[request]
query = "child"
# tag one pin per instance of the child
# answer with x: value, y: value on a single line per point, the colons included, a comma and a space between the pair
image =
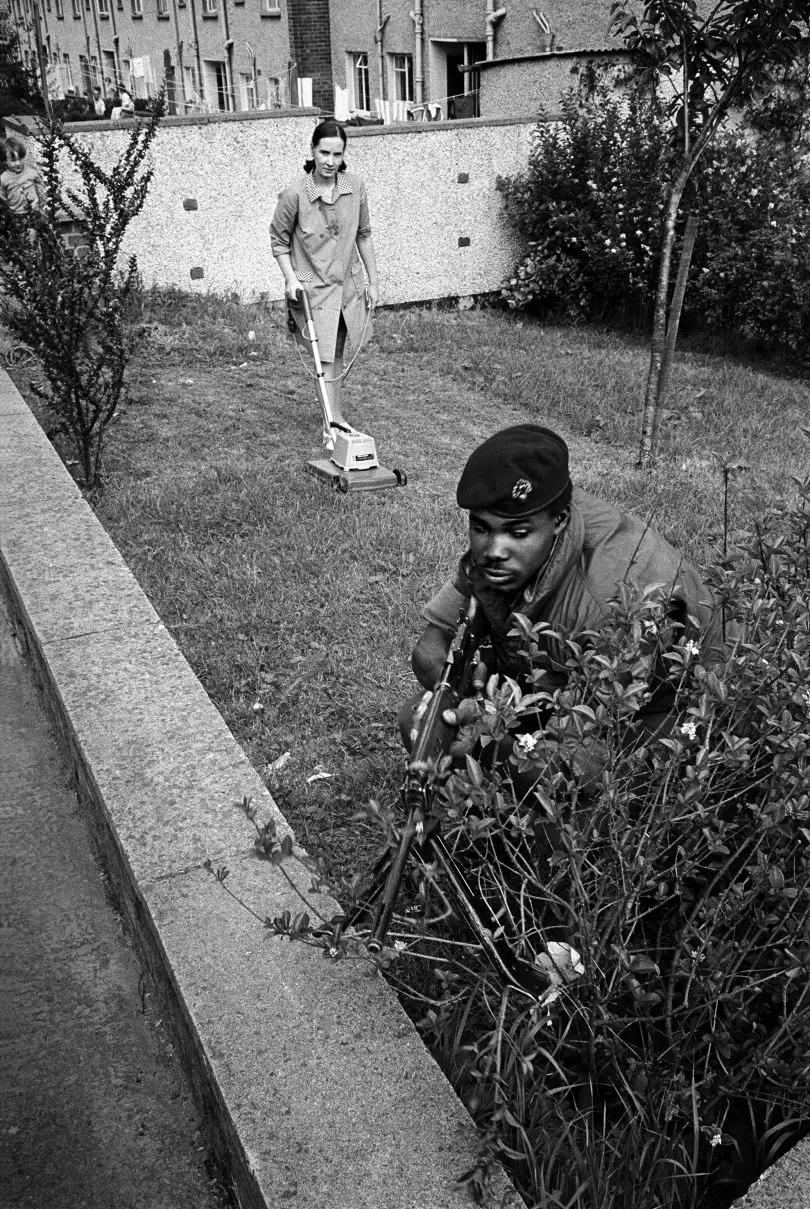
x: 20, y: 184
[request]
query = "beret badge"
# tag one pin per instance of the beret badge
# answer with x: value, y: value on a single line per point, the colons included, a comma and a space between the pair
x: 522, y: 489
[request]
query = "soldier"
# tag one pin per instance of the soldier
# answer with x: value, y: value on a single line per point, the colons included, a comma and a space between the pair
x: 540, y: 547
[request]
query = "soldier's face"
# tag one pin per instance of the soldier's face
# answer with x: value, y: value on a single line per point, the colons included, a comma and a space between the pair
x: 510, y: 550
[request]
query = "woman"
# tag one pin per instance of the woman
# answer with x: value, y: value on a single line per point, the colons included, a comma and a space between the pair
x: 319, y: 235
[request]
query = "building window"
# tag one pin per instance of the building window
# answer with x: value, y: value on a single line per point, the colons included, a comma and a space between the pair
x: 77, y: 10
x: 274, y: 94
x: 247, y: 89
x: 359, y: 86
x: 163, y: 8
x: 104, y: 9
x: 210, y: 8
x: 68, y: 71
x: 402, y: 76
x: 137, y: 8
x: 270, y: 8
x: 60, y: 10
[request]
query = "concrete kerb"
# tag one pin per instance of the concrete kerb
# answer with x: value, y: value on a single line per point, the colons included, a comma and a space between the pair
x: 314, y: 1085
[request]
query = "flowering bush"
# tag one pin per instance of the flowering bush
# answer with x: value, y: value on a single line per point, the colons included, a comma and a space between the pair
x: 661, y: 879
x: 752, y: 259
x: 591, y: 204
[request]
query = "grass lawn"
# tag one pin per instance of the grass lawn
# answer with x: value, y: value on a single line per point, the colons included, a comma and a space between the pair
x: 296, y: 607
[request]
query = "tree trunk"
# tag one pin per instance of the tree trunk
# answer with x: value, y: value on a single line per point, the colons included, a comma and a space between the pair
x: 649, y: 414
x: 650, y: 409
x: 675, y: 309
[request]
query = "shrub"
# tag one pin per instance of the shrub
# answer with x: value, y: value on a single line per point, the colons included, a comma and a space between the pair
x: 69, y: 306
x: 752, y: 259
x: 591, y: 204
x: 669, y: 905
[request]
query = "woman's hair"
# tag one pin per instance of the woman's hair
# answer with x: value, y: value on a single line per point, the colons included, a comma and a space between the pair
x: 327, y: 129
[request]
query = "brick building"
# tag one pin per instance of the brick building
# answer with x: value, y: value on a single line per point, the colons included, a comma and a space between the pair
x: 399, y: 58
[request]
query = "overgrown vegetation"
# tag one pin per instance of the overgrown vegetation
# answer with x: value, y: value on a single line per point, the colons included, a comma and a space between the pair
x: 298, y: 609
x: 591, y: 206
x: 68, y: 303
x: 661, y: 883
x: 670, y: 904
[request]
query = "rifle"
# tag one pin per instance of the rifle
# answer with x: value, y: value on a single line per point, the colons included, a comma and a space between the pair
x: 420, y: 838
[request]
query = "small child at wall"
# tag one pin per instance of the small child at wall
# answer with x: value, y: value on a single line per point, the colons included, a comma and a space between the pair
x: 20, y: 183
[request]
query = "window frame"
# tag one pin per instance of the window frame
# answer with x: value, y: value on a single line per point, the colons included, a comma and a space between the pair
x: 360, y: 80
x: 402, y: 77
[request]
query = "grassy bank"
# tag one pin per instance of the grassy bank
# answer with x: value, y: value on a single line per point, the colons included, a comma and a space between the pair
x: 297, y: 608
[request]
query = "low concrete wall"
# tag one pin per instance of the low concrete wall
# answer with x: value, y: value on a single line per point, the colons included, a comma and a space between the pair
x: 316, y: 1089
x: 528, y: 83
x: 436, y: 214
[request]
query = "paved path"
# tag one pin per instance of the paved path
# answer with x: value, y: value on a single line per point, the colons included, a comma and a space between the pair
x: 94, y: 1110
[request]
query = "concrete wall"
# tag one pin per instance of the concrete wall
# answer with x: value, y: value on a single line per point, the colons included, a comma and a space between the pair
x: 206, y: 222
x: 527, y: 83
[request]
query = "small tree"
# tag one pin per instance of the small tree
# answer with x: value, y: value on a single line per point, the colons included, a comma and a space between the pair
x: 713, y: 57
x: 69, y: 304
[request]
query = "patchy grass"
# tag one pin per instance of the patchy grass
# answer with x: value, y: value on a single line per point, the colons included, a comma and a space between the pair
x: 297, y: 608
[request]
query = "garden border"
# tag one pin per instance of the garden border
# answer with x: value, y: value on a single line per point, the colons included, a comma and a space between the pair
x: 315, y: 1087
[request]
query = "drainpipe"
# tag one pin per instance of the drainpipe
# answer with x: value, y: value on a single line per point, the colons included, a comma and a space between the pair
x: 378, y: 38
x: 98, y: 42
x: 115, y: 51
x: 418, y: 19
x: 493, y: 17
x: 228, y: 59
x: 86, y: 39
x: 200, y: 80
x: 179, y: 50
x: 43, y: 70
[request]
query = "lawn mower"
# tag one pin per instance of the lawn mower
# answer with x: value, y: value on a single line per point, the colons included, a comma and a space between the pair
x: 352, y: 465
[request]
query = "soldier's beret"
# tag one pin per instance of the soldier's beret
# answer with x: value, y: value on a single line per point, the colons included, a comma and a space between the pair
x: 516, y: 472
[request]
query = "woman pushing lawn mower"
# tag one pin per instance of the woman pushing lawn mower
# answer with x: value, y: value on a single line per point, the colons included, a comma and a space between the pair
x: 321, y: 238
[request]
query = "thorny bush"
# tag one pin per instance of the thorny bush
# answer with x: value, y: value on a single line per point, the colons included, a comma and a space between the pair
x: 71, y: 307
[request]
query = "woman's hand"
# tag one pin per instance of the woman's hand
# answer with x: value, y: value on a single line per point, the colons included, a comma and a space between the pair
x: 291, y: 287
x: 372, y: 295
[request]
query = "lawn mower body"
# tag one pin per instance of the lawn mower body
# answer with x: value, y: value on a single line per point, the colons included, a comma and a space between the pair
x: 352, y: 465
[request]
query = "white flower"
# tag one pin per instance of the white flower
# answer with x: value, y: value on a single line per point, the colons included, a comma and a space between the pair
x: 561, y: 963
x: 691, y: 647
x: 527, y: 744
x: 689, y: 729
x: 716, y: 1138
x: 399, y: 945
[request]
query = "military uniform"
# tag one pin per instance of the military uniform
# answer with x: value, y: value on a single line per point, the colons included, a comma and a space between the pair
x: 320, y: 237
x: 523, y: 471
x: 599, y: 549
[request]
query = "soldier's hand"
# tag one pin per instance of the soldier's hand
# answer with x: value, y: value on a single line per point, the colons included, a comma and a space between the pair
x: 418, y: 715
x: 466, y: 713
